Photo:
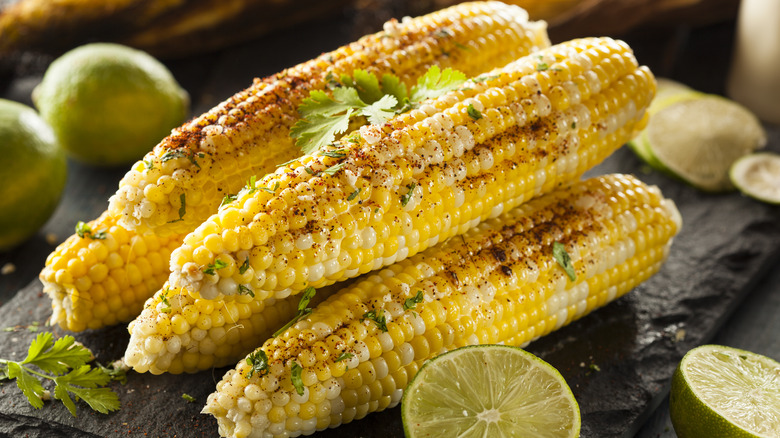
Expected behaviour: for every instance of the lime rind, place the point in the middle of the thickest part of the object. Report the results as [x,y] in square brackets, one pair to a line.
[720,391]
[758,176]
[489,390]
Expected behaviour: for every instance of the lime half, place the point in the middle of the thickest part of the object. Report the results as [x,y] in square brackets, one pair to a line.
[489,391]
[697,137]
[758,176]
[725,392]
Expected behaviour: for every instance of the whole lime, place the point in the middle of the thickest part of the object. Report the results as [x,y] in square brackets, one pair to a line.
[33,179]
[110,104]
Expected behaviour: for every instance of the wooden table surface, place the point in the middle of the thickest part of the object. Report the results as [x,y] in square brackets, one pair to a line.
[698,57]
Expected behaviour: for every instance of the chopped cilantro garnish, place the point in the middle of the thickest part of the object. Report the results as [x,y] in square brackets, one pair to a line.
[542,66]
[211,269]
[408,196]
[295,377]
[344,356]
[188,398]
[178,153]
[333,154]
[473,112]
[183,207]
[436,82]
[83,230]
[258,360]
[228,199]
[149,164]
[303,309]
[333,169]
[244,290]
[411,303]
[270,190]
[353,195]
[378,317]
[166,305]
[244,266]
[564,260]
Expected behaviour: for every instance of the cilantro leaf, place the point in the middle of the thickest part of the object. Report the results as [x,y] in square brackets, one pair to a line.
[344,356]
[318,130]
[30,386]
[411,303]
[84,383]
[564,260]
[56,357]
[380,111]
[258,360]
[295,376]
[473,112]
[393,86]
[436,82]
[367,86]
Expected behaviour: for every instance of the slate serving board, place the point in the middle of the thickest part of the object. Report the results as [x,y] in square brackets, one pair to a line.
[618,360]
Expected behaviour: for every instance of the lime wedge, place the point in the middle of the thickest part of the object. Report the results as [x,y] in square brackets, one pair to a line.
[725,392]
[758,176]
[489,391]
[697,137]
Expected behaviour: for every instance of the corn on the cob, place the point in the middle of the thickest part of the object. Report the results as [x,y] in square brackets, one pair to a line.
[185,178]
[254,139]
[501,282]
[104,276]
[424,176]
[176,333]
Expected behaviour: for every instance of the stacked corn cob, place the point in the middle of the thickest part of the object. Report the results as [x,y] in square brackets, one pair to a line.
[500,282]
[92,280]
[421,178]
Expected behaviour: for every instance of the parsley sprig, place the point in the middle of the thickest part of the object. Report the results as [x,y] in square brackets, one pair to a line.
[65,363]
[325,116]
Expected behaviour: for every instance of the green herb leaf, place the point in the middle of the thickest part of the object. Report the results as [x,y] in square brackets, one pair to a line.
[542,66]
[303,309]
[367,86]
[149,164]
[317,130]
[333,169]
[183,207]
[211,269]
[436,82]
[244,266]
[408,195]
[333,154]
[166,305]
[228,199]
[411,303]
[270,190]
[180,153]
[295,376]
[56,357]
[83,230]
[353,195]
[564,260]
[30,386]
[344,356]
[380,111]
[378,317]
[258,360]
[473,112]
[188,398]
[393,86]
[308,294]
[115,371]
[244,290]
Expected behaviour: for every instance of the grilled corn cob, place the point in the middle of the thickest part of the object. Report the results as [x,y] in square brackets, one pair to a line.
[103,276]
[252,120]
[185,178]
[365,202]
[500,283]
